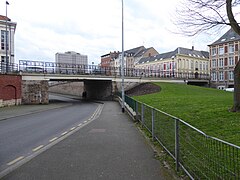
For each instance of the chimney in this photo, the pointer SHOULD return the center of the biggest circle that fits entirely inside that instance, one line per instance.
(192, 47)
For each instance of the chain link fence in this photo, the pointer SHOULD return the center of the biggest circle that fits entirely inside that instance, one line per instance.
(199, 155)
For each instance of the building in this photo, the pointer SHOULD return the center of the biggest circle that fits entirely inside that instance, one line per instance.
(7, 28)
(71, 63)
(134, 55)
(71, 57)
(108, 59)
(224, 55)
(182, 63)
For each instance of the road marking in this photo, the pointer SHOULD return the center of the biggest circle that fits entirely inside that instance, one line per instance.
(53, 139)
(72, 128)
(15, 160)
(64, 133)
(37, 148)
(80, 124)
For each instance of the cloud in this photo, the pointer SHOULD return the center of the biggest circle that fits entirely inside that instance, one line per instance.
(92, 27)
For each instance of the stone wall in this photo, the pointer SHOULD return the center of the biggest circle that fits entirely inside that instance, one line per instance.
(35, 92)
(10, 90)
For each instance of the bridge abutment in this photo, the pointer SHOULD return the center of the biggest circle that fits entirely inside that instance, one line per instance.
(35, 92)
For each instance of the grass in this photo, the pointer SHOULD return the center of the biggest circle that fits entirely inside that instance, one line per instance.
(204, 108)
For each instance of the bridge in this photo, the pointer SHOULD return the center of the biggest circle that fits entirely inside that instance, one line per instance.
(99, 82)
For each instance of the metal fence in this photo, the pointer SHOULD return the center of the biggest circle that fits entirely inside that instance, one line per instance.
(8, 68)
(81, 69)
(199, 155)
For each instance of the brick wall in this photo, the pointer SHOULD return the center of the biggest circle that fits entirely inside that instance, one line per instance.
(10, 90)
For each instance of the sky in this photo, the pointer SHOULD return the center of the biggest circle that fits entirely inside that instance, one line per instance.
(94, 27)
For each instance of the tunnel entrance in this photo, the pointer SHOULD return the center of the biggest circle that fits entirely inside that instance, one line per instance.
(98, 89)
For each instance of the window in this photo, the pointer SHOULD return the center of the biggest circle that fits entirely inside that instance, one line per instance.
(214, 51)
(231, 61)
(214, 63)
(206, 65)
(200, 66)
(231, 48)
(214, 76)
(191, 64)
(221, 62)
(231, 75)
(221, 76)
(221, 50)
(3, 39)
(196, 65)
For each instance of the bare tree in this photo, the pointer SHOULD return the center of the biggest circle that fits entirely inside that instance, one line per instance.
(197, 16)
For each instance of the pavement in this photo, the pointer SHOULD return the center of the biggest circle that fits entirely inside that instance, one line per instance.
(109, 147)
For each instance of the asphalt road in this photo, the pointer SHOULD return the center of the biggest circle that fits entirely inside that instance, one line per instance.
(23, 135)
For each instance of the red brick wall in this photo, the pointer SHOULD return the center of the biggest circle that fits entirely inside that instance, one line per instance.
(10, 87)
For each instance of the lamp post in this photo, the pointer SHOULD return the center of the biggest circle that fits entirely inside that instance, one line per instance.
(6, 37)
(122, 64)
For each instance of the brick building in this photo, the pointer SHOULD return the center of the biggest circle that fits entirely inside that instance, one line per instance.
(107, 59)
(224, 55)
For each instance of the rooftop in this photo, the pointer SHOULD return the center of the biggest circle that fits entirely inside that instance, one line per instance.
(229, 36)
(172, 54)
(4, 18)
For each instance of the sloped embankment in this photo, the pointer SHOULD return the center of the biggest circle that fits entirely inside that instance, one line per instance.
(145, 88)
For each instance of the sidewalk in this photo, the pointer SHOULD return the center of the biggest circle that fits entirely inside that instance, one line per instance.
(109, 147)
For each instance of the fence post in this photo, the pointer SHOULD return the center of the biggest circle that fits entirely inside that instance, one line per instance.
(142, 115)
(153, 125)
(177, 143)
(136, 109)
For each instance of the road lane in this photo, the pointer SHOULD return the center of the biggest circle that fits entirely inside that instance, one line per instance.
(23, 135)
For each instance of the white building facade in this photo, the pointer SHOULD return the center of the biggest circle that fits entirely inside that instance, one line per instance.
(7, 30)
(71, 57)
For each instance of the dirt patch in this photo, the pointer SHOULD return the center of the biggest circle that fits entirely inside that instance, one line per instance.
(145, 88)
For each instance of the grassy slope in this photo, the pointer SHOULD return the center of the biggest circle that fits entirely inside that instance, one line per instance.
(206, 109)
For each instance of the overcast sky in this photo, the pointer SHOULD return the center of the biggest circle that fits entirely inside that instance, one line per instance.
(93, 27)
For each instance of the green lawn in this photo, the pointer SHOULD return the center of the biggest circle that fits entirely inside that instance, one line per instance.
(204, 108)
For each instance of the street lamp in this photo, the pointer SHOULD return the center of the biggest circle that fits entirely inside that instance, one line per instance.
(122, 65)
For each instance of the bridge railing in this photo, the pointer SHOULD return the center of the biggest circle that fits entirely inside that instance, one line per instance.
(80, 69)
(8, 68)
(201, 156)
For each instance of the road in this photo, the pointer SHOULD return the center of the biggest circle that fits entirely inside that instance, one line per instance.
(22, 136)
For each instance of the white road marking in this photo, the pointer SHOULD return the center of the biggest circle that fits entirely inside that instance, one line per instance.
(15, 160)
(53, 139)
(64, 133)
(37, 148)
(72, 128)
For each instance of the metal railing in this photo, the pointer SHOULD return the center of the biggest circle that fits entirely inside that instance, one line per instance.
(81, 69)
(8, 68)
(199, 155)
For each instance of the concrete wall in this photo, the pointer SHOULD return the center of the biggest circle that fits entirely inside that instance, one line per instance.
(10, 90)
(35, 92)
(70, 88)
